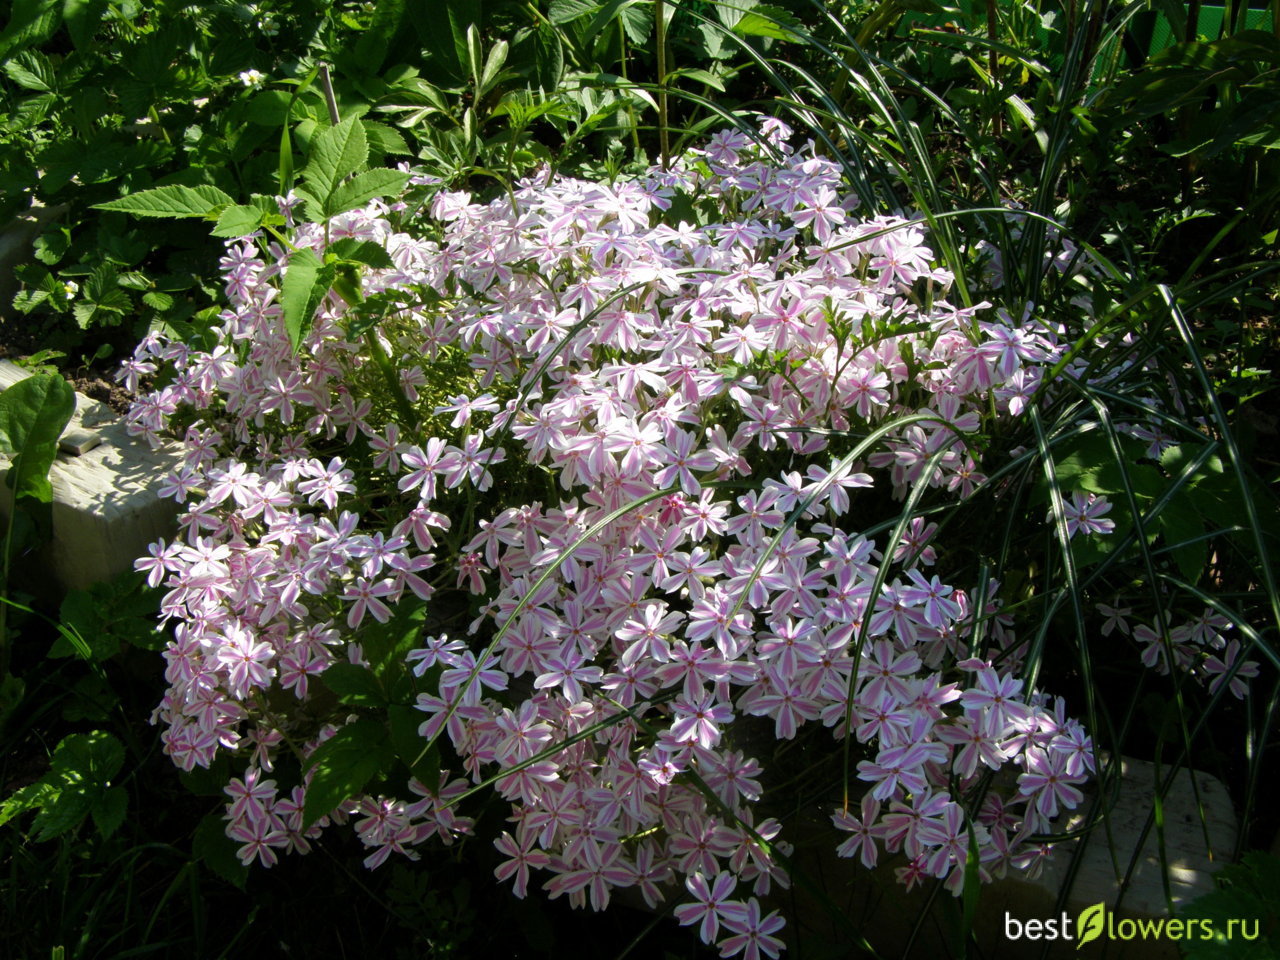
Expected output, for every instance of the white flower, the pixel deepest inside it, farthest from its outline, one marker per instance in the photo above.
(70, 289)
(251, 78)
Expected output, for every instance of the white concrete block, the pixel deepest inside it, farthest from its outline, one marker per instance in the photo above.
(105, 507)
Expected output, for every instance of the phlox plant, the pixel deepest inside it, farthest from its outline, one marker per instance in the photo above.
(583, 494)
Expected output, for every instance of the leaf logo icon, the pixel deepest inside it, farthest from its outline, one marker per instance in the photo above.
(1090, 924)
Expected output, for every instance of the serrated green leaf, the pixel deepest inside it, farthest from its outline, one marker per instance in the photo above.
(82, 18)
(368, 252)
(108, 810)
(335, 153)
(31, 70)
(363, 188)
(31, 22)
(566, 11)
(173, 200)
(270, 108)
(33, 414)
(27, 798)
(767, 22)
(82, 634)
(354, 684)
(64, 810)
(157, 300)
(371, 48)
(95, 756)
(52, 247)
(342, 765)
(132, 280)
(305, 283)
(384, 139)
(237, 221)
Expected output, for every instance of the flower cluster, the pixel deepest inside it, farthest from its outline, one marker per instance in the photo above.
(674, 405)
(1197, 647)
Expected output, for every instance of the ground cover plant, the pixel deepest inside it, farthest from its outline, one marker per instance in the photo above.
(600, 514)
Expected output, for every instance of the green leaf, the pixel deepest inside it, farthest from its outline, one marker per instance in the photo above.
(52, 247)
(109, 809)
(157, 300)
(354, 684)
(566, 11)
(237, 221)
(12, 692)
(212, 847)
(409, 744)
(335, 153)
(79, 785)
(1181, 526)
(371, 48)
(305, 283)
(342, 765)
(91, 699)
(31, 22)
(61, 811)
(173, 200)
(83, 626)
(765, 22)
(384, 139)
(33, 414)
(82, 18)
(30, 797)
(363, 188)
(33, 71)
(367, 252)
(270, 108)
(89, 756)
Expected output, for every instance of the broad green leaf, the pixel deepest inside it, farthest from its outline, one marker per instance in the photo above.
(354, 684)
(32, 70)
(82, 18)
(109, 809)
(566, 11)
(173, 200)
(765, 22)
(363, 188)
(62, 810)
(342, 765)
(731, 12)
(362, 251)
(335, 153)
(33, 414)
(79, 615)
(212, 847)
(30, 23)
(89, 756)
(78, 785)
(371, 48)
(409, 744)
(1182, 529)
(384, 139)
(30, 797)
(699, 75)
(270, 108)
(305, 283)
(157, 300)
(237, 221)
